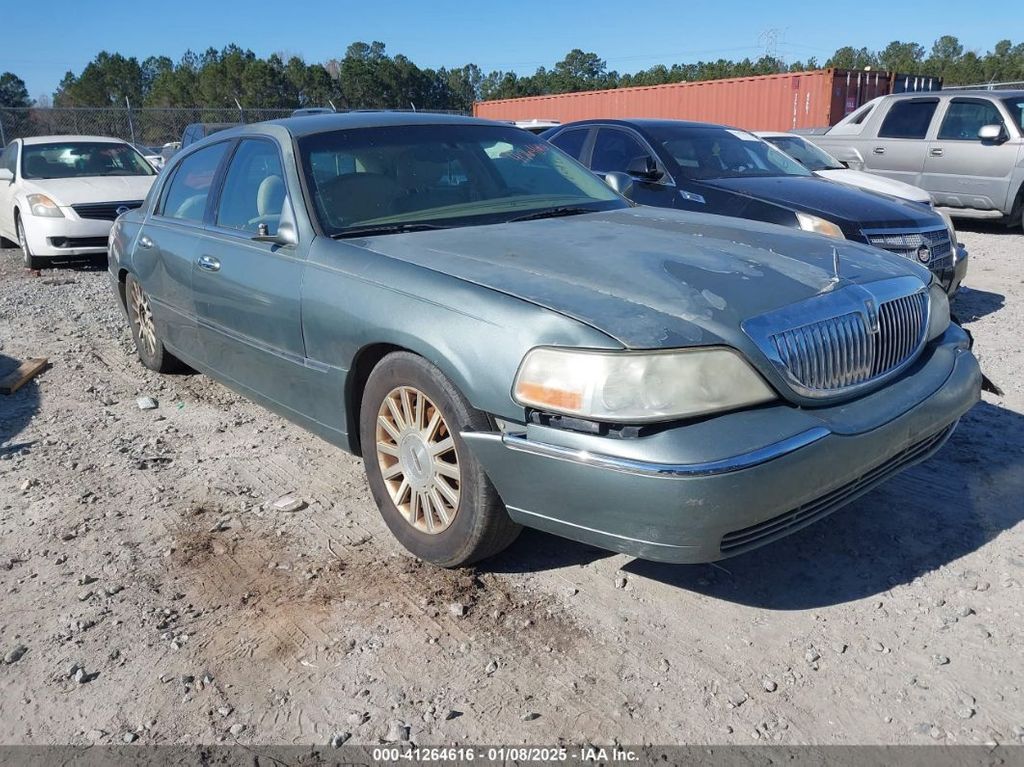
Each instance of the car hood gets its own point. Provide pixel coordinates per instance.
(875, 183)
(73, 191)
(648, 277)
(836, 202)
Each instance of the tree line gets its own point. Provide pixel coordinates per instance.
(367, 77)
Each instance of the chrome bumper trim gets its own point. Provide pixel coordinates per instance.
(520, 443)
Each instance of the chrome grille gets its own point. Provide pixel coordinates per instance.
(907, 244)
(843, 351)
(845, 339)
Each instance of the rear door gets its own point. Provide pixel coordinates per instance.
(247, 291)
(963, 171)
(572, 141)
(899, 149)
(163, 255)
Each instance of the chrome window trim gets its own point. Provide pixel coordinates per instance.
(852, 299)
(520, 443)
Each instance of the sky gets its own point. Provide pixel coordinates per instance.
(518, 35)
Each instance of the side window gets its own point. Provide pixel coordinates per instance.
(186, 194)
(861, 116)
(254, 189)
(9, 159)
(571, 141)
(908, 119)
(614, 149)
(965, 117)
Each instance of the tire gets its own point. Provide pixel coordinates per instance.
(475, 524)
(150, 348)
(31, 262)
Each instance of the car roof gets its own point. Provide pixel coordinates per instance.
(32, 140)
(954, 92)
(305, 125)
(645, 123)
(775, 134)
(288, 128)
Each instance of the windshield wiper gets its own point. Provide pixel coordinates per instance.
(565, 210)
(368, 231)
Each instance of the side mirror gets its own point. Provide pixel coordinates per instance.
(644, 168)
(6, 175)
(992, 133)
(287, 234)
(619, 182)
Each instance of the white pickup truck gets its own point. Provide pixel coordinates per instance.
(965, 148)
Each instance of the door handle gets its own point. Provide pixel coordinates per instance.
(879, 150)
(936, 152)
(209, 263)
(145, 242)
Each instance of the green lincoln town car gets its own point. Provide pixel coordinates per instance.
(506, 341)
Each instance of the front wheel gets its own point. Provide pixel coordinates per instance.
(431, 491)
(31, 262)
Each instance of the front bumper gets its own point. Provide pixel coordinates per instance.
(959, 269)
(66, 237)
(720, 487)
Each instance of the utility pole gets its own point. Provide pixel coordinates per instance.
(131, 125)
(770, 38)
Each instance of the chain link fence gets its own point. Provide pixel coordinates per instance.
(147, 126)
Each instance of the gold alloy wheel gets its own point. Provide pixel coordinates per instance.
(143, 318)
(418, 460)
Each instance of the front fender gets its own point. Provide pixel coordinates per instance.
(353, 299)
(849, 155)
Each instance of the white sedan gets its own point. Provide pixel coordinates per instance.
(59, 195)
(821, 163)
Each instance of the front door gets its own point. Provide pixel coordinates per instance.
(617, 150)
(961, 170)
(247, 291)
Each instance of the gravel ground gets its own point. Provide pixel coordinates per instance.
(151, 593)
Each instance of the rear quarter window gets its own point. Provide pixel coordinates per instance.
(908, 119)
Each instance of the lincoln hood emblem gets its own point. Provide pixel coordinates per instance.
(871, 312)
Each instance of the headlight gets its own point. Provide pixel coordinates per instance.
(811, 223)
(634, 387)
(938, 316)
(43, 206)
(949, 226)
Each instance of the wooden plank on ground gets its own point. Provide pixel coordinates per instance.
(25, 372)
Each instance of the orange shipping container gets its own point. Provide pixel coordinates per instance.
(782, 102)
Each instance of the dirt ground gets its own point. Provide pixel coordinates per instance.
(150, 593)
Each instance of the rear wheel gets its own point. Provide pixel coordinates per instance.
(31, 262)
(432, 492)
(147, 343)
